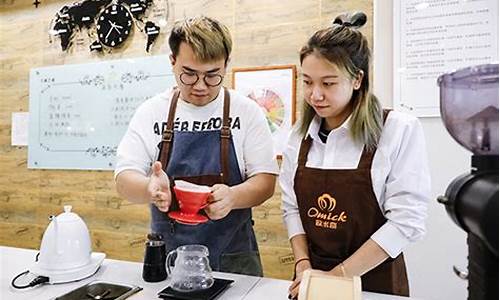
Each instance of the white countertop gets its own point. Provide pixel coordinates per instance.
(15, 260)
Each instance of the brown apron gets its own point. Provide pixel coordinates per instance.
(340, 212)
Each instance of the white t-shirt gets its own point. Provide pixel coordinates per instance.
(252, 139)
(400, 176)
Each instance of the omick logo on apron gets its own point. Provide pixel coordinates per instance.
(324, 213)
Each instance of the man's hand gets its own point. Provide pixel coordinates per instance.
(220, 202)
(158, 188)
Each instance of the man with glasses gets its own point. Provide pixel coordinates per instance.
(202, 133)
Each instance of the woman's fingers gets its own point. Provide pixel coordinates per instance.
(294, 292)
(294, 284)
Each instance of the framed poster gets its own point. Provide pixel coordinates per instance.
(273, 88)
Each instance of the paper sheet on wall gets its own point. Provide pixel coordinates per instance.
(436, 37)
(19, 134)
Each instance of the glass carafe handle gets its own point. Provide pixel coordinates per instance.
(170, 260)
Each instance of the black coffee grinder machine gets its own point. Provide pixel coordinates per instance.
(469, 110)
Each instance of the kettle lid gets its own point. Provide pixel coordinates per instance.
(67, 215)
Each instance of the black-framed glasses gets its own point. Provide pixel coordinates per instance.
(191, 78)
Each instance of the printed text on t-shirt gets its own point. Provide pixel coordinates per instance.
(210, 124)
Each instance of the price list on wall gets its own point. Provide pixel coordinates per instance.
(79, 113)
(435, 37)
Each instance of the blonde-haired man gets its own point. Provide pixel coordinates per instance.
(209, 135)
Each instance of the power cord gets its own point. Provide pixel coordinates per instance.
(36, 281)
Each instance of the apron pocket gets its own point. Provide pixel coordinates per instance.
(247, 263)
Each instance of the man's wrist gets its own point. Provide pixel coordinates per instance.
(146, 193)
(231, 197)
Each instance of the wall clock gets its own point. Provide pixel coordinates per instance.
(108, 23)
(113, 25)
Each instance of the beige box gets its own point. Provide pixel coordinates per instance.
(317, 285)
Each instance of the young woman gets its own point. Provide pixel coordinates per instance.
(355, 179)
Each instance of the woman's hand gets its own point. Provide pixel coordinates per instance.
(293, 290)
(158, 188)
(338, 271)
(220, 202)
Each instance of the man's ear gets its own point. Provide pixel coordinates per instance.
(172, 59)
(359, 79)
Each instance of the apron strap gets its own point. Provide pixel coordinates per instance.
(225, 134)
(168, 134)
(225, 138)
(386, 114)
(304, 150)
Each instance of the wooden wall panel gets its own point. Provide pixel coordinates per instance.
(263, 13)
(222, 10)
(264, 33)
(276, 44)
(23, 235)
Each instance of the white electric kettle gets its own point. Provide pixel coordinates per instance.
(66, 253)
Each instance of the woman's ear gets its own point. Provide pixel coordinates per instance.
(172, 59)
(358, 80)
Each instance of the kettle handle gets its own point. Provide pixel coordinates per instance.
(170, 260)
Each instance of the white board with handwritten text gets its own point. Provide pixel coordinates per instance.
(79, 113)
(436, 37)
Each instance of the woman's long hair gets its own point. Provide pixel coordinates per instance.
(343, 45)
